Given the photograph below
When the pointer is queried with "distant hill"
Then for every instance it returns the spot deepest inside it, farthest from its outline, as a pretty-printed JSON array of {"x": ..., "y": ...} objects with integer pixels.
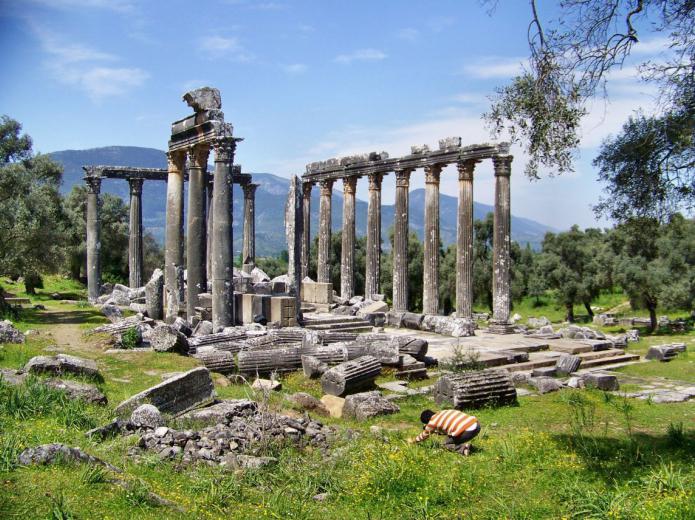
[{"x": 270, "y": 201}]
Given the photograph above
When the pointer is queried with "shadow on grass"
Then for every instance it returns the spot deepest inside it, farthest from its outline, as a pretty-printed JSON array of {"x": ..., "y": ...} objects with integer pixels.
[
  {"x": 618, "y": 459},
  {"x": 68, "y": 317}
]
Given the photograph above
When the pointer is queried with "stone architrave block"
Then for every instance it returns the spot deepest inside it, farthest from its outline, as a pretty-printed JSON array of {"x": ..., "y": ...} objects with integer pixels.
[
  {"x": 247, "y": 308},
  {"x": 567, "y": 364},
  {"x": 605, "y": 382},
  {"x": 283, "y": 309},
  {"x": 174, "y": 396},
  {"x": 308, "y": 293},
  {"x": 238, "y": 308},
  {"x": 365, "y": 405},
  {"x": 261, "y": 306},
  {"x": 323, "y": 293},
  {"x": 372, "y": 308}
]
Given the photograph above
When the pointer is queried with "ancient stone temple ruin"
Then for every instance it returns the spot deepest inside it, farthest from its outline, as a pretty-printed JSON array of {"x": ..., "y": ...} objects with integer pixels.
[{"x": 374, "y": 166}]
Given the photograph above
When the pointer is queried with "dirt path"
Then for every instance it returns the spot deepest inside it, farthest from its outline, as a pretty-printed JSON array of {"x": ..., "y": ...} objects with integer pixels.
[{"x": 63, "y": 327}]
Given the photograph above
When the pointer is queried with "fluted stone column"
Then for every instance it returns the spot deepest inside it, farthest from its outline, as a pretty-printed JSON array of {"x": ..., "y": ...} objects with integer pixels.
[
  {"x": 373, "y": 260},
  {"x": 501, "y": 293},
  {"x": 306, "y": 229},
  {"x": 464, "y": 241},
  {"x": 324, "y": 253},
  {"x": 93, "y": 238},
  {"x": 430, "y": 296},
  {"x": 173, "y": 252},
  {"x": 347, "y": 254},
  {"x": 209, "y": 183},
  {"x": 196, "y": 238},
  {"x": 400, "y": 242},
  {"x": 135, "y": 254},
  {"x": 222, "y": 273},
  {"x": 248, "y": 247}
]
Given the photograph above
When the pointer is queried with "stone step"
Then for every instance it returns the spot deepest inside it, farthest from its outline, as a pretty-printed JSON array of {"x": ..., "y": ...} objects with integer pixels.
[
  {"x": 337, "y": 326},
  {"x": 591, "y": 363},
  {"x": 600, "y": 354},
  {"x": 568, "y": 346},
  {"x": 328, "y": 321},
  {"x": 529, "y": 365},
  {"x": 345, "y": 328}
]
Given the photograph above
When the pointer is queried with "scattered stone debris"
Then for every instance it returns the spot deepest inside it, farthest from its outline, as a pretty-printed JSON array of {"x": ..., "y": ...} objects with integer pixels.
[
  {"x": 166, "y": 338},
  {"x": 545, "y": 384},
  {"x": 112, "y": 312},
  {"x": 601, "y": 381},
  {"x": 568, "y": 364},
  {"x": 365, "y": 405},
  {"x": 267, "y": 385},
  {"x": 9, "y": 334},
  {"x": 75, "y": 390},
  {"x": 62, "y": 364},
  {"x": 334, "y": 404},
  {"x": 308, "y": 402},
  {"x": 221, "y": 412},
  {"x": 665, "y": 352},
  {"x": 147, "y": 416},
  {"x": 46, "y": 454}
]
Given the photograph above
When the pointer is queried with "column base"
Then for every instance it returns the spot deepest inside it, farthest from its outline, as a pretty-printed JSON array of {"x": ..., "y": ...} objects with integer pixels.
[{"x": 500, "y": 327}]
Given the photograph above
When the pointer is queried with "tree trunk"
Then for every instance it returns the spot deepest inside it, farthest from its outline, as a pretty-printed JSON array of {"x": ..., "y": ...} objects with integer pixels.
[
  {"x": 652, "y": 317},
  {"x": 587, "y": 306},
  {"x": 570, "y": 312}
]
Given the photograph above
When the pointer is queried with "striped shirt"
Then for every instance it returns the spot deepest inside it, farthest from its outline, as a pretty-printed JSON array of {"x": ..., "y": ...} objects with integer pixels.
[{"x": 448, "y": 422}]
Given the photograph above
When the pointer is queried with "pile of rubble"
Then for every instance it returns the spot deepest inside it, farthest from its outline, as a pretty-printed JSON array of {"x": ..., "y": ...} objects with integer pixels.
[{"x": 9, "y": 334}]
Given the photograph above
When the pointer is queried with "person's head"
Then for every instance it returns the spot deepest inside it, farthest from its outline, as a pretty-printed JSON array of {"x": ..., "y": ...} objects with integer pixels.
[{"x": 426, "y": 416}]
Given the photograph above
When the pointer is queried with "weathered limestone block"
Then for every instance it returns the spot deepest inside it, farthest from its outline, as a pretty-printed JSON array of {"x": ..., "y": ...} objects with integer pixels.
[
  {"x": 567, "y": 364},
  {"x": 119, "y": 297},
  {"x": 112, "y": 312},
  {"x": 372, "y": 307},
  {"x": 329, "y": 354},
  {"x": 12, "y": 377},
  {"x": 283, "y": 310},
  {"x": 220, "y": 361},
  {"x": 662, "y": 352},
  {"x": 147, "y": 416},
  {"x": 313, "y": 367},
  {"x": 203, "y": 98},
  {"x": 334, "y": 404},
  {"x": 414, "y": 346},
  {"x": 232, "y": 341},
  {"x": 62, "y": 364},
  {"x": 395, "y": 319},
  {"x": 601, "y": 381},
  {"x": 264, "y": 362},
  {"x": 545, "y": 384},
  {"x": 182, "y": 326},
  {"x": 9, "y": 334},
  {"x": 154, "y": 295},
  {"x": 50, "y": 453},
  {"x": 267, "y": 385},
  {"x": 475, "y": 389},
  {"x": 308, "y": 402},
  {"x": 203, "y": 328},
  {"x": 412, "y": 320},
  {"x": 258, "y": 275},
  {"x": 174, "y": 396},
  {"x": 165, "y": 338},
  {"x": 386, "y": 350},
  {"x": 351, "y": 376},
  {"x": 544, "y": 372},
  {"x": 449, "y": 326},
  {"x": 222, "y": 412},
  {"x": 537, "y": 323},
  {"x": 76, "y": 390},
  {"x": 365, "y": 405}
]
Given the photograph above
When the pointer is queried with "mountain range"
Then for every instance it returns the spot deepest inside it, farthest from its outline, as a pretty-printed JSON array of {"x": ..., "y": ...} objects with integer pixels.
[{"x": 270, "y": 202}]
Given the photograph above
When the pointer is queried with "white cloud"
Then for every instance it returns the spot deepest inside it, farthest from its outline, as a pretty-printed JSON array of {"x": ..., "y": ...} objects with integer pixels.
[
  {"x": 440, "y": 23},
  {"x": 294, "y": 68},
  {"x": 100, "y": 82},
  {"x": 495, "y": 67},
  {"x": 361, "y": 55},
  {"x": 408, "y": 34},
  {"x": 224, "y": 47},
  {"x": 468, "y": 98},
  {"x": 651, "y": 46}
]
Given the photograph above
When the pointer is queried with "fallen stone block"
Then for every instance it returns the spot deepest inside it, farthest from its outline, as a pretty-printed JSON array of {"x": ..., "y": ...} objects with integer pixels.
[
  {"x": 220, "y": 361},
  {"x": 267, "y": 385},
  {"x": 46, "y": 454},
  {"x": 334, "y": 404},
  {"x": 147, "y": 416},
  {"x": 544, "y": 385},
  {"x": 309, "y": 403},
  {"x": 9, "y": 334},
  {"x": 365, "y": 405},
  {"x": 62, "y": 364},
  {"x": 165, "y": 338},
  {"x": 112, "y": 312},
  {"x": 372, "y": 308},
  {"x": 76, "y": 390},
  {"x": 222, "y": 412},
  {"x": 670, "y": 397},
  {"x": 12, "y": 377},
  {"x": 174, "y": 396},
  {"x": 313, "y": 367},
  {"x": 351, "y": 376},
  {"x": 567, "y": 364},
  {"x": 475, "y": 389},
  {"x": 266, "y": 361},
  {"x": 605, "y": 382},
  {"x": 662, "y": 353}
]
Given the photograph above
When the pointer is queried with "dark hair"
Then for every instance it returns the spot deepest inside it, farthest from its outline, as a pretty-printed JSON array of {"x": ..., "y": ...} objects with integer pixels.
[{"x": 426, "y": 416}]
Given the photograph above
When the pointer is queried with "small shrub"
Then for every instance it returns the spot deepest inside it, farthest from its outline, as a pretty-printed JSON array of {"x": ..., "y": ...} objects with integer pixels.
[
  {"x": 10, "y": 448},
  {"x": 665, "y": 479},
  {"x": 93, "y": 474},
  {"x": 59, "y": 509},
  {"x": 675, "y": 434},
  {"x": 463, "y": 359},
  {"x": 129, "y": 339},
  {"x": 138, "y": 495}
]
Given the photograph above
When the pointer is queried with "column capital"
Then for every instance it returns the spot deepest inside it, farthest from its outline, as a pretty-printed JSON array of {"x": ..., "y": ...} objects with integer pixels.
[
  {"x": 466, "y": 169},
  {"x": 176, "y": 160},
  {"x": 432, "y": 173},
  {"x": 93, "y": 184},
  {"x": 326, "y": 186},
  {"x": 503, "y": 165},
  {"x": 224, "y": 149},
  {"x": 403, "y": 177},
  {"x": 375, "y": 181},
  {"x": 249, "y": 190},
  {"x": 306, "y": 188},
  {"x": 136, "y": 185},
  {"x": 349, "y": 185},
  {"x": 198, "y": 156}
]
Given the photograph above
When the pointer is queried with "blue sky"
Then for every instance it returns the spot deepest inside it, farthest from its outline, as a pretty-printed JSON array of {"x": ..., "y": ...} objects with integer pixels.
[{"x": 300, "y": 80}]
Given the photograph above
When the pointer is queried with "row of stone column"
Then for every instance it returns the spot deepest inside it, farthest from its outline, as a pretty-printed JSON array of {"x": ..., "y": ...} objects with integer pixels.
[
  {"x": 200, "y": 229},
  {"x": 464, "y": 242}
]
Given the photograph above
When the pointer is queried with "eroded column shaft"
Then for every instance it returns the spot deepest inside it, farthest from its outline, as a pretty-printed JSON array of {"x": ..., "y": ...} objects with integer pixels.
[
  {"x": 324, "y": 252},
  {"x": 501, "y": 293},
  {"x": 173, "y": 252},
  {"x": 400, "y": 242},
  {"x": 222, "y": 274},
  {"x": 373, "y": 260},
  {"x": 248, "y": 247},
  {"x": 464, "y": 241},
  {"x": 306, "y": 229},
  {"x": 196, "y": 237},
  {"x": 347, "y": 255},
  {"x": 135, "y": 253},
  {"x": 430, "y": 296},
  {"x": 93, "y": 238},
  {"x": 209, "y": 179}
]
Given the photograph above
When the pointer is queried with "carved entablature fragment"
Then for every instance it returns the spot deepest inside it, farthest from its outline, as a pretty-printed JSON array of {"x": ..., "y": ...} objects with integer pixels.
[
  {"x": 449, "y": 142},
  {"x": 419, "y": 149}
]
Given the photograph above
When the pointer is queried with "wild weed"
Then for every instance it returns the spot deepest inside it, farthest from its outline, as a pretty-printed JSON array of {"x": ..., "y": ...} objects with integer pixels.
[
  {"x": 665, "y": 479},
  {"x": 59, "y": 508},
  {"x": 93, "y": 474},
  {"x": 10, "y": 448},
  {"x": 601, "y": 504},
  {"x": 675, "y": 434},
  {"x": 138, "y": 495},
  {"x": 463, "y": 359},
  {"x": 129, "y": 339}
]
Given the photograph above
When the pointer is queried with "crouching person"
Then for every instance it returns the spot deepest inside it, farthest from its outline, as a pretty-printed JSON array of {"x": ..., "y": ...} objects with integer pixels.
[{"x": 459, "y": 427}]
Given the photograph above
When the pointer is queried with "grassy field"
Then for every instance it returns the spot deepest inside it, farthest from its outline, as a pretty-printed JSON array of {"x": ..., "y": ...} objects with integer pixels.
[{"x": 571, "y": 454}]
